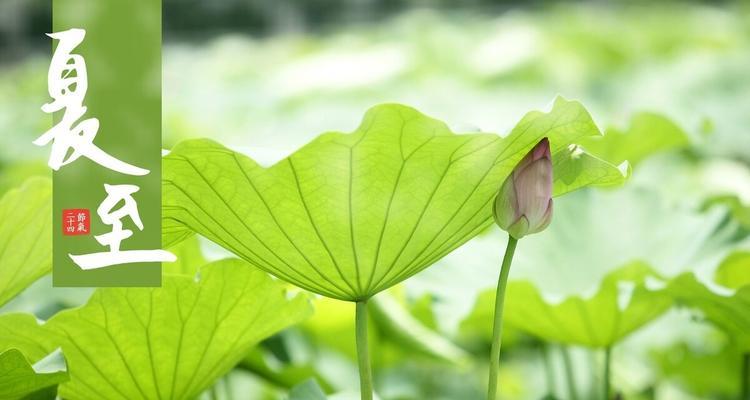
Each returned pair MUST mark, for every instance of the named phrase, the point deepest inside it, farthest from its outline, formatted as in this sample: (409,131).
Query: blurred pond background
(265,77)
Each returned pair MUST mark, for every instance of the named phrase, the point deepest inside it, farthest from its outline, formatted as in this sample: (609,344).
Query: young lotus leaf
(168,342)
(573,168)
(21,380)
(622,305)
(25,236)
(349,215)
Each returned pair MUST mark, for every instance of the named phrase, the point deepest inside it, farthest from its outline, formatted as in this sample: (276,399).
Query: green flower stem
(497,328)
(569,377)
(607,372)
(363,352)
(745,378)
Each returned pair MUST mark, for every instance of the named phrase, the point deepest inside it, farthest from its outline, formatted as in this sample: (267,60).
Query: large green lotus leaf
(729,312)
(349,215)
(19,379)
(622,304)
(168,342)
(647,134)
(25,236)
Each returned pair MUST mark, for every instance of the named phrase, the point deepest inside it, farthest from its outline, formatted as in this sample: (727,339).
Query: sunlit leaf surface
(25,236)
(168,342)
(349,215)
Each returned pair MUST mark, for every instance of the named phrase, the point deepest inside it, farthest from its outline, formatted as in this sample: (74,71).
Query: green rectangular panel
(122,54)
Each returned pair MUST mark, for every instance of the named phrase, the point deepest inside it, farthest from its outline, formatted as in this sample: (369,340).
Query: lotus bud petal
(524,203)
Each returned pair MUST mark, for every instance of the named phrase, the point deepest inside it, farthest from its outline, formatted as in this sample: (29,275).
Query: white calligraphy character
(111,216)
(67,85)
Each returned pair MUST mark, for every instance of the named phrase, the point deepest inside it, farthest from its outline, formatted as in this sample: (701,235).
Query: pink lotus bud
(524,203)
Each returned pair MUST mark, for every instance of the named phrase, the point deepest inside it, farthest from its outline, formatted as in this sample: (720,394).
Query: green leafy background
(666,83)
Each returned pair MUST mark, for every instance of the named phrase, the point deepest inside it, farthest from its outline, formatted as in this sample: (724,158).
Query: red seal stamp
(76,221)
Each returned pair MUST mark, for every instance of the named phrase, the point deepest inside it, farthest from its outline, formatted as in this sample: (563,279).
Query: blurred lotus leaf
(728,311)
(647,134)
(622,305)
(594,232)
(734,271)
(398,325)
(288,370)
(307,390)
(738,210)
(349,215)
(688,367)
